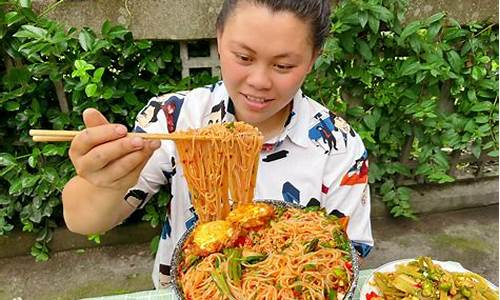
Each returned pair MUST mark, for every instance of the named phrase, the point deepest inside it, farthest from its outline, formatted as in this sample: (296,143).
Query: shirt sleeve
(160,115)
(346,192)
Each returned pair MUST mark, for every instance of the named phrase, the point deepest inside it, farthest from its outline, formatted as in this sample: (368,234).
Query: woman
(266,48)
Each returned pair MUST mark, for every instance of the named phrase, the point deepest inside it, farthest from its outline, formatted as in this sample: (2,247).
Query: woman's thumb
(92,117)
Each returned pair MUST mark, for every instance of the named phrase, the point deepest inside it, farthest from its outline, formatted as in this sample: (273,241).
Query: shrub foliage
(420,94)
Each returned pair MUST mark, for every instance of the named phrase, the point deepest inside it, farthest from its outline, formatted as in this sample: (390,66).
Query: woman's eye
(244,58)
(282,67)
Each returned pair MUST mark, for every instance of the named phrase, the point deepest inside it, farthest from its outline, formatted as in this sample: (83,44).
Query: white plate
(450,266)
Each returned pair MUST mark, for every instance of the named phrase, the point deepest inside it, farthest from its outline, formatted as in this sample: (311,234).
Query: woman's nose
(259,78)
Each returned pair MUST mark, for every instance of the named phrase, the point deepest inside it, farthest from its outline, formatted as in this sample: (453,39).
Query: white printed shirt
(317,160)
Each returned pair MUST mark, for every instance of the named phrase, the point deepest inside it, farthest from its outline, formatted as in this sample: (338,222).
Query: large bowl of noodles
(295,253)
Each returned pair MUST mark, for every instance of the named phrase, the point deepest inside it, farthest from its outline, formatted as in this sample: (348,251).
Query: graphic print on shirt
(322,133)
(172,108)
(230,107)
(358,173)
(275,156)
(290,193)
(191,219)
(217,113)
(212,87)
(170,173)
(166,229)
(363,249)
(313,202)
(337,213)
(136,197)
(164,275)
(148,115)
(342,126)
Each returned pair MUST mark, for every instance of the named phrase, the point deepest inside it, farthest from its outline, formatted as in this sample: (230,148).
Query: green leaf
(441,159)
(373,23)
(471,94)
(12,17)
(143,44)
(7,159)
(29,181)
(15,187)
(409,67)
(435,17)
(365,50)
(382,13)
(11,106)
(117,32)
(389,196)
(481,106)
(363,18)
(404,193)
(484,59)
(386,187)
(31,31)
(86,40)
(401,168)
(90,89)
(32,161)
(409,30)
(25,3)
(106,27)
(476,73)
(476,150)
(107,93)
(493,153)
(83,65)
(54,150)
(155,242)
(481,119)
(98,75)
(370,121)
(489,84)
(50,174)
(434,30)
(455,61)
(131,99)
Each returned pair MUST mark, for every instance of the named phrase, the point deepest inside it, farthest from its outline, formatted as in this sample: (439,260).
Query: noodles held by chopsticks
(224,164)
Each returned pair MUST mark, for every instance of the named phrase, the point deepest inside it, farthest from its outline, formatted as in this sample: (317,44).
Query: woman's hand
(104,156)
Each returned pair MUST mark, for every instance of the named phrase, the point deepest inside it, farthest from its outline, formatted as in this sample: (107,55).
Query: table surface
(168,293)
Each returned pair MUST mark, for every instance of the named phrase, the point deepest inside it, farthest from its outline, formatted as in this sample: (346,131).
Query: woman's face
(264,58)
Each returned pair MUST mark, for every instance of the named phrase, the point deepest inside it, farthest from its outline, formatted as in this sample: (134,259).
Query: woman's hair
(314,12)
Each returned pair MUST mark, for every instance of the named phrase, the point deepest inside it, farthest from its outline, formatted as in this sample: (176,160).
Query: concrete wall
(195,19)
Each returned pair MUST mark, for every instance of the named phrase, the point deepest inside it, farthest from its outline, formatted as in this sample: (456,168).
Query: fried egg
(211,237)
(251,215)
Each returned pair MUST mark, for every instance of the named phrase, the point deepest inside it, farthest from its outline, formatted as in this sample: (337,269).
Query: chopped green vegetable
(405,283)
(221,283)
(341,241)
(311,246)
(191,260)
(234,264)
(312,208)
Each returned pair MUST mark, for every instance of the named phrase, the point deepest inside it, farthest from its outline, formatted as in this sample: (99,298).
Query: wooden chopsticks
(41,135)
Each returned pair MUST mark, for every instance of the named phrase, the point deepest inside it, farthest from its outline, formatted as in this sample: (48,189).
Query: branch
(61,96)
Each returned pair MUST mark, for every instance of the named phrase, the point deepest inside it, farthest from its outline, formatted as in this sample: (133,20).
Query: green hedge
(421,92)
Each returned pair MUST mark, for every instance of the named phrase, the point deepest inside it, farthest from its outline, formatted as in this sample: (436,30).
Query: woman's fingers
(94,136)
(125,169)
(92,117)
(100,156)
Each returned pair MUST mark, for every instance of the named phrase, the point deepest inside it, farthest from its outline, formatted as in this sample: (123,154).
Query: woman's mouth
(256,102)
